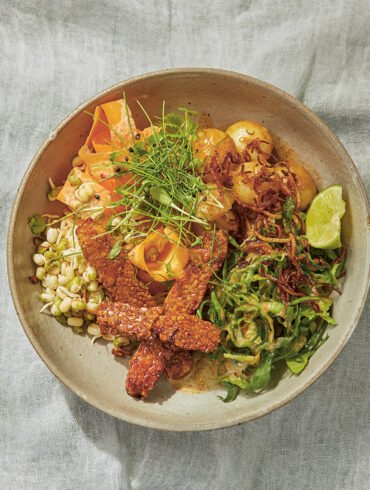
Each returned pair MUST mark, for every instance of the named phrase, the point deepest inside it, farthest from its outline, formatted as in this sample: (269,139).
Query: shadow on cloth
(105,431)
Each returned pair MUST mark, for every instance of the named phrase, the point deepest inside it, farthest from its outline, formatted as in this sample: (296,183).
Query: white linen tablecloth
(55,54)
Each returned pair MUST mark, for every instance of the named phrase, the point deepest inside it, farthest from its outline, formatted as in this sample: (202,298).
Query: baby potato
(213,204)
(306,186)
(243,183)
(244,132)
(210,141)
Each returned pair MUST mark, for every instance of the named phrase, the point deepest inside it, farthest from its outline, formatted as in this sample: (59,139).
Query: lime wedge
(323,218)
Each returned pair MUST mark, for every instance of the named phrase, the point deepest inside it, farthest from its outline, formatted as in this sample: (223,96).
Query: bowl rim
(158,424)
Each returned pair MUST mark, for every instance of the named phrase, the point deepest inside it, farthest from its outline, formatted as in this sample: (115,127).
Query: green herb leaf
(232,392)
(160,195)
(258,380)
(297,364)
(233,242)
(115,250)
(197,241)
(37,223)
(218,308)
(262,375)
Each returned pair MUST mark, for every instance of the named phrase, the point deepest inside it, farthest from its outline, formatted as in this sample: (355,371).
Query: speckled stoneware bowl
(92,372)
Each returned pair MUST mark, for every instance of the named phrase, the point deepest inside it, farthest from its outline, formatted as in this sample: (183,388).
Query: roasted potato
(243,182)
(213,204)
(252,137)
(210,141)
(306,186)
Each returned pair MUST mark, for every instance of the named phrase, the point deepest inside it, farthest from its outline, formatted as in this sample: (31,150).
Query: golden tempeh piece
(150,360)
(188,291)
(183,331)
(146,366)
(118,275)
(187,332)
(129,320)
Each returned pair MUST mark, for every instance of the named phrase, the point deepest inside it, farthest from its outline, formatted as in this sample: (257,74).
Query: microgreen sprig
(165,188)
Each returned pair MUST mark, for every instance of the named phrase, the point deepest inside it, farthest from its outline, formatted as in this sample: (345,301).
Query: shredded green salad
(272,303)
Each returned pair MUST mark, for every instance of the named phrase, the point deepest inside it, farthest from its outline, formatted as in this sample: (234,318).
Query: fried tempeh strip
(118,275)
(128,320)
(187,332)
(184,331)
(146,366)
(151,360)
(188,291)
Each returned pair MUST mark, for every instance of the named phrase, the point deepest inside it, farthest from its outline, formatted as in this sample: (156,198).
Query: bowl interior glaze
(222,97)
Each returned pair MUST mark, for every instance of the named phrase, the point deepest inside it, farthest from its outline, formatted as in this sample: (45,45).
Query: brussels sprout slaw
(273,304)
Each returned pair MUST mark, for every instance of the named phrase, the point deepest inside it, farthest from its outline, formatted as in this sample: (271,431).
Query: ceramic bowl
(222,97)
